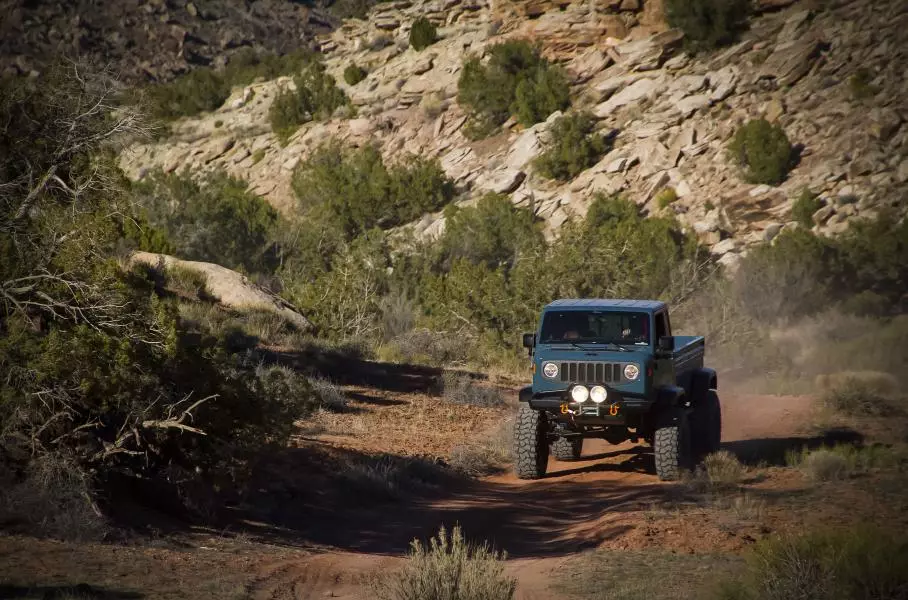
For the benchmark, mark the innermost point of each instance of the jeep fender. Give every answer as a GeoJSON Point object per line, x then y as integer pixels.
{"type": "Point", "coordinates": [669, 396]}
{"type": "Point", "coordinates": [525, 394]}
{"type": "Point", "coordinates": [701, 381]}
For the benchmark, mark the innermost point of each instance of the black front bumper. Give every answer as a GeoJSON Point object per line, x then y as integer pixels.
{"type": "Point", "coordinates": [558, 401]}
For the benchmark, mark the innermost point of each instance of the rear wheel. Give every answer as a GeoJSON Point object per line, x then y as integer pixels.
{"type": "Point", "coordinates": [706, 426]}
{"type": "Point", "coordinates": [567, 448]}
{"type": "Point", "coordinates": [531, 449]}
{"type": "Point", "coordinates": [671, 445]}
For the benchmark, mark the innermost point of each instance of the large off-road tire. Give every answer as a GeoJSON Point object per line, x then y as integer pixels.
{"type": "Point", "coordinates": [531, 449]}
{"type": "Point", "coordinates": [671, 445]}
{"type": "Point", "coordinates": [706, 426]}
{"type": "Point", "coordinates": [567, 448]}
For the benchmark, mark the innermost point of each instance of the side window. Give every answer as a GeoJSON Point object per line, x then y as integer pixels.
{"type": "Point", "coordinates": [661, 327]}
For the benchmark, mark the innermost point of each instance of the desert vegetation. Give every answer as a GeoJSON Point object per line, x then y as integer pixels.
{"type": "Point", "coordinates": [315, 96]}
{"type": "Point", "coordinates": [515, 81]}
{"type": "Point", "coordinates": [422, 34]}
{"type": "Point", "coordinates": [206, 88]}
{"type": "Point", "coordinates": [707, 24]}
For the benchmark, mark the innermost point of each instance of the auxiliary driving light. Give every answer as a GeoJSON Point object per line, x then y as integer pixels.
{"type": "Point", "coordinates": [550, 370]}
{"type": "Point", "coordinates": [598, 394]}
{"type": "Point", "coordinates": [580, 394]}
{"type": "Point", "coordinates": [632, 372]}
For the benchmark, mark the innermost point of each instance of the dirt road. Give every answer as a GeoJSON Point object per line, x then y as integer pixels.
{"type": "Point", "coordinates": [600, 501]}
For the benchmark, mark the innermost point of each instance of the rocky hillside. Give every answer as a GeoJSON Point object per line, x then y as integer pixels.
{"type": "Point", "coordinates": [149, 39]}
{"type": "Point", "coordinates": [671, 115]}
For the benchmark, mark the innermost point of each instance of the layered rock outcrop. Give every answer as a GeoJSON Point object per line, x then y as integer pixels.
{"type": "Point", "coordinates": [671, 115]}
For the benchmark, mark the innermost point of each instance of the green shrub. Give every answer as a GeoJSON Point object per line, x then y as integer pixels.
{"type": "Point", "coordinates": [316, 97]}
{"type": "Point", "coordinates": [449, 568]}
{"type": "Point", "coordinates": [494, 232]}
{"type": "Point", "coordinates": [666, 197]}
{"type": "Point", "coordinates": [707, 24]}
{"type": "Point", "coordinates": [485, 454]}
{"type": "Point", "coordinates": [860, 84]}
{"type": "Point", "coordinates": [359, 191]}
{"type": "Point", "coordinates": [806, 204]}
{"type": "Point", "coordinates": [763, 151]}
{"type": "Point", "coordinates": [258, 155]}
{"type": "Point", "coordinates": [489, 91]}
{"type": "Point", "coordinates": [353, 74]}
{"type": "Point", "coordinates": [212, 219]}
{"type": "Point", "coordinates": [859, 562]}
{"type": "Point", "coordinates": [205, 89]}
{"type": "Point", "coordinates": [540, 94]}
{"type": "Point", "coordinates": [422, 34]}
{"type": "Point", "coordinates": [574, 147]}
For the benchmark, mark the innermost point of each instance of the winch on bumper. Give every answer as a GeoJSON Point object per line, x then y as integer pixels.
{"type": "Point", "coordinates": [575, 403]}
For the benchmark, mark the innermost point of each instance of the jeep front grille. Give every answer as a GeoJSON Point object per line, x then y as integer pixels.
{"type": "Point", "coordinates": [590, 372]}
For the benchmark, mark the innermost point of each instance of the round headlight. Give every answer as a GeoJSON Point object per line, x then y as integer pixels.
{"type": "Point", "coordinates": [631, 372]}
{"type": "Point", "coordinates": [579, 394]}
{"type": "Point", "coordinates": [550, 370]}
{"type": "Point", "coordinates": [598, 394]}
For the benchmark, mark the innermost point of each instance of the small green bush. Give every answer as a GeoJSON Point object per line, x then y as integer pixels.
{"type": "Point", "coordinates": [707, 24]}
{"type": "Point", "coordinates": [806, 204]}
{"type": "Point", "coordinates": [516, 81]}
{"type": "Point", "coordinates": [858, 562]}
{"type": "Point", "coordinates": [860, 86]}
{"type": "Point", "coordinates": [360, 191]}
{"type": "Point", "coordinates": [353, 74]}
{"type": "Point", "coordinates": [449, 568]}
{"type": "Point", "coordinates": [666, 197]}
{"type": "Point", "coordinates": [763, 151]}
{"type": "Point", "coordinates": [316, 97]}
{"type": "Point", "coordinates": [574, 147]}
{"type": "Point", "coordinates": [422, 34]}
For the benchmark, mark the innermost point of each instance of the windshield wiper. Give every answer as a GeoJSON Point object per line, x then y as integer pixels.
{"type": "Point", "coordinates": [577, 345]}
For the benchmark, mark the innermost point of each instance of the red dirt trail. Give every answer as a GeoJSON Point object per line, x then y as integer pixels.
{"type": "Point", "coordinates": [592, 503]}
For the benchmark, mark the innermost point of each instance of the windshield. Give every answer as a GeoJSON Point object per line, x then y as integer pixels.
{"type": "Point", "coordinates": [595, 327]}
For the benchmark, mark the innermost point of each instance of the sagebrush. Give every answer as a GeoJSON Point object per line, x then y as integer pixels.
{"type": "Point", "coordinates": [448, 568]}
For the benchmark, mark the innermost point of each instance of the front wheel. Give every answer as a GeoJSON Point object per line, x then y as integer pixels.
{"type": "Point", "coordinates": [567, 449]}
{"type": "Point", "coordinates": [531, 449]}
{"type": "Point", "coordinates": [671, 445]}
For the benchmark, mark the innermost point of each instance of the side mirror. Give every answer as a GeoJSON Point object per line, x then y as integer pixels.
{"type": "Point", "coordinates": [666, 344]}
{"type": "Point", "coordinates": [529, 341]}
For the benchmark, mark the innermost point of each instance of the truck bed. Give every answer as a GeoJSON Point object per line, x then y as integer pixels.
{"type": "Point", "coordinates": [687, 357]}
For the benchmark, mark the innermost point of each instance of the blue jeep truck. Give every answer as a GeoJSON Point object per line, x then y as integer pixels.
{"type": "Point", "coordinates": [612, 369]}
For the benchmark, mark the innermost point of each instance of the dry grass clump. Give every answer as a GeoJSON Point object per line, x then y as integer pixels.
{"type": "Point", "coordinates": [448, 568]}
{"type": "Point", "coordinates": [486, 454]}
{"type": "Point", "coordinates": [458, 388]}
{"type": "Point", "coordinates": [843, 461]}
{"type": "Point", "coordinates": [859, 562]}
{"type": "Point", "coordinates": [329, 394]}
{"type": "Point", "coordinates": [54, 498]}
{"type": "Point", "coordinates": [857, 395]}
{"type": "Point", "coordinates": [719, 471]}
{"type": "Point", "coordinates": [389, 477]}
